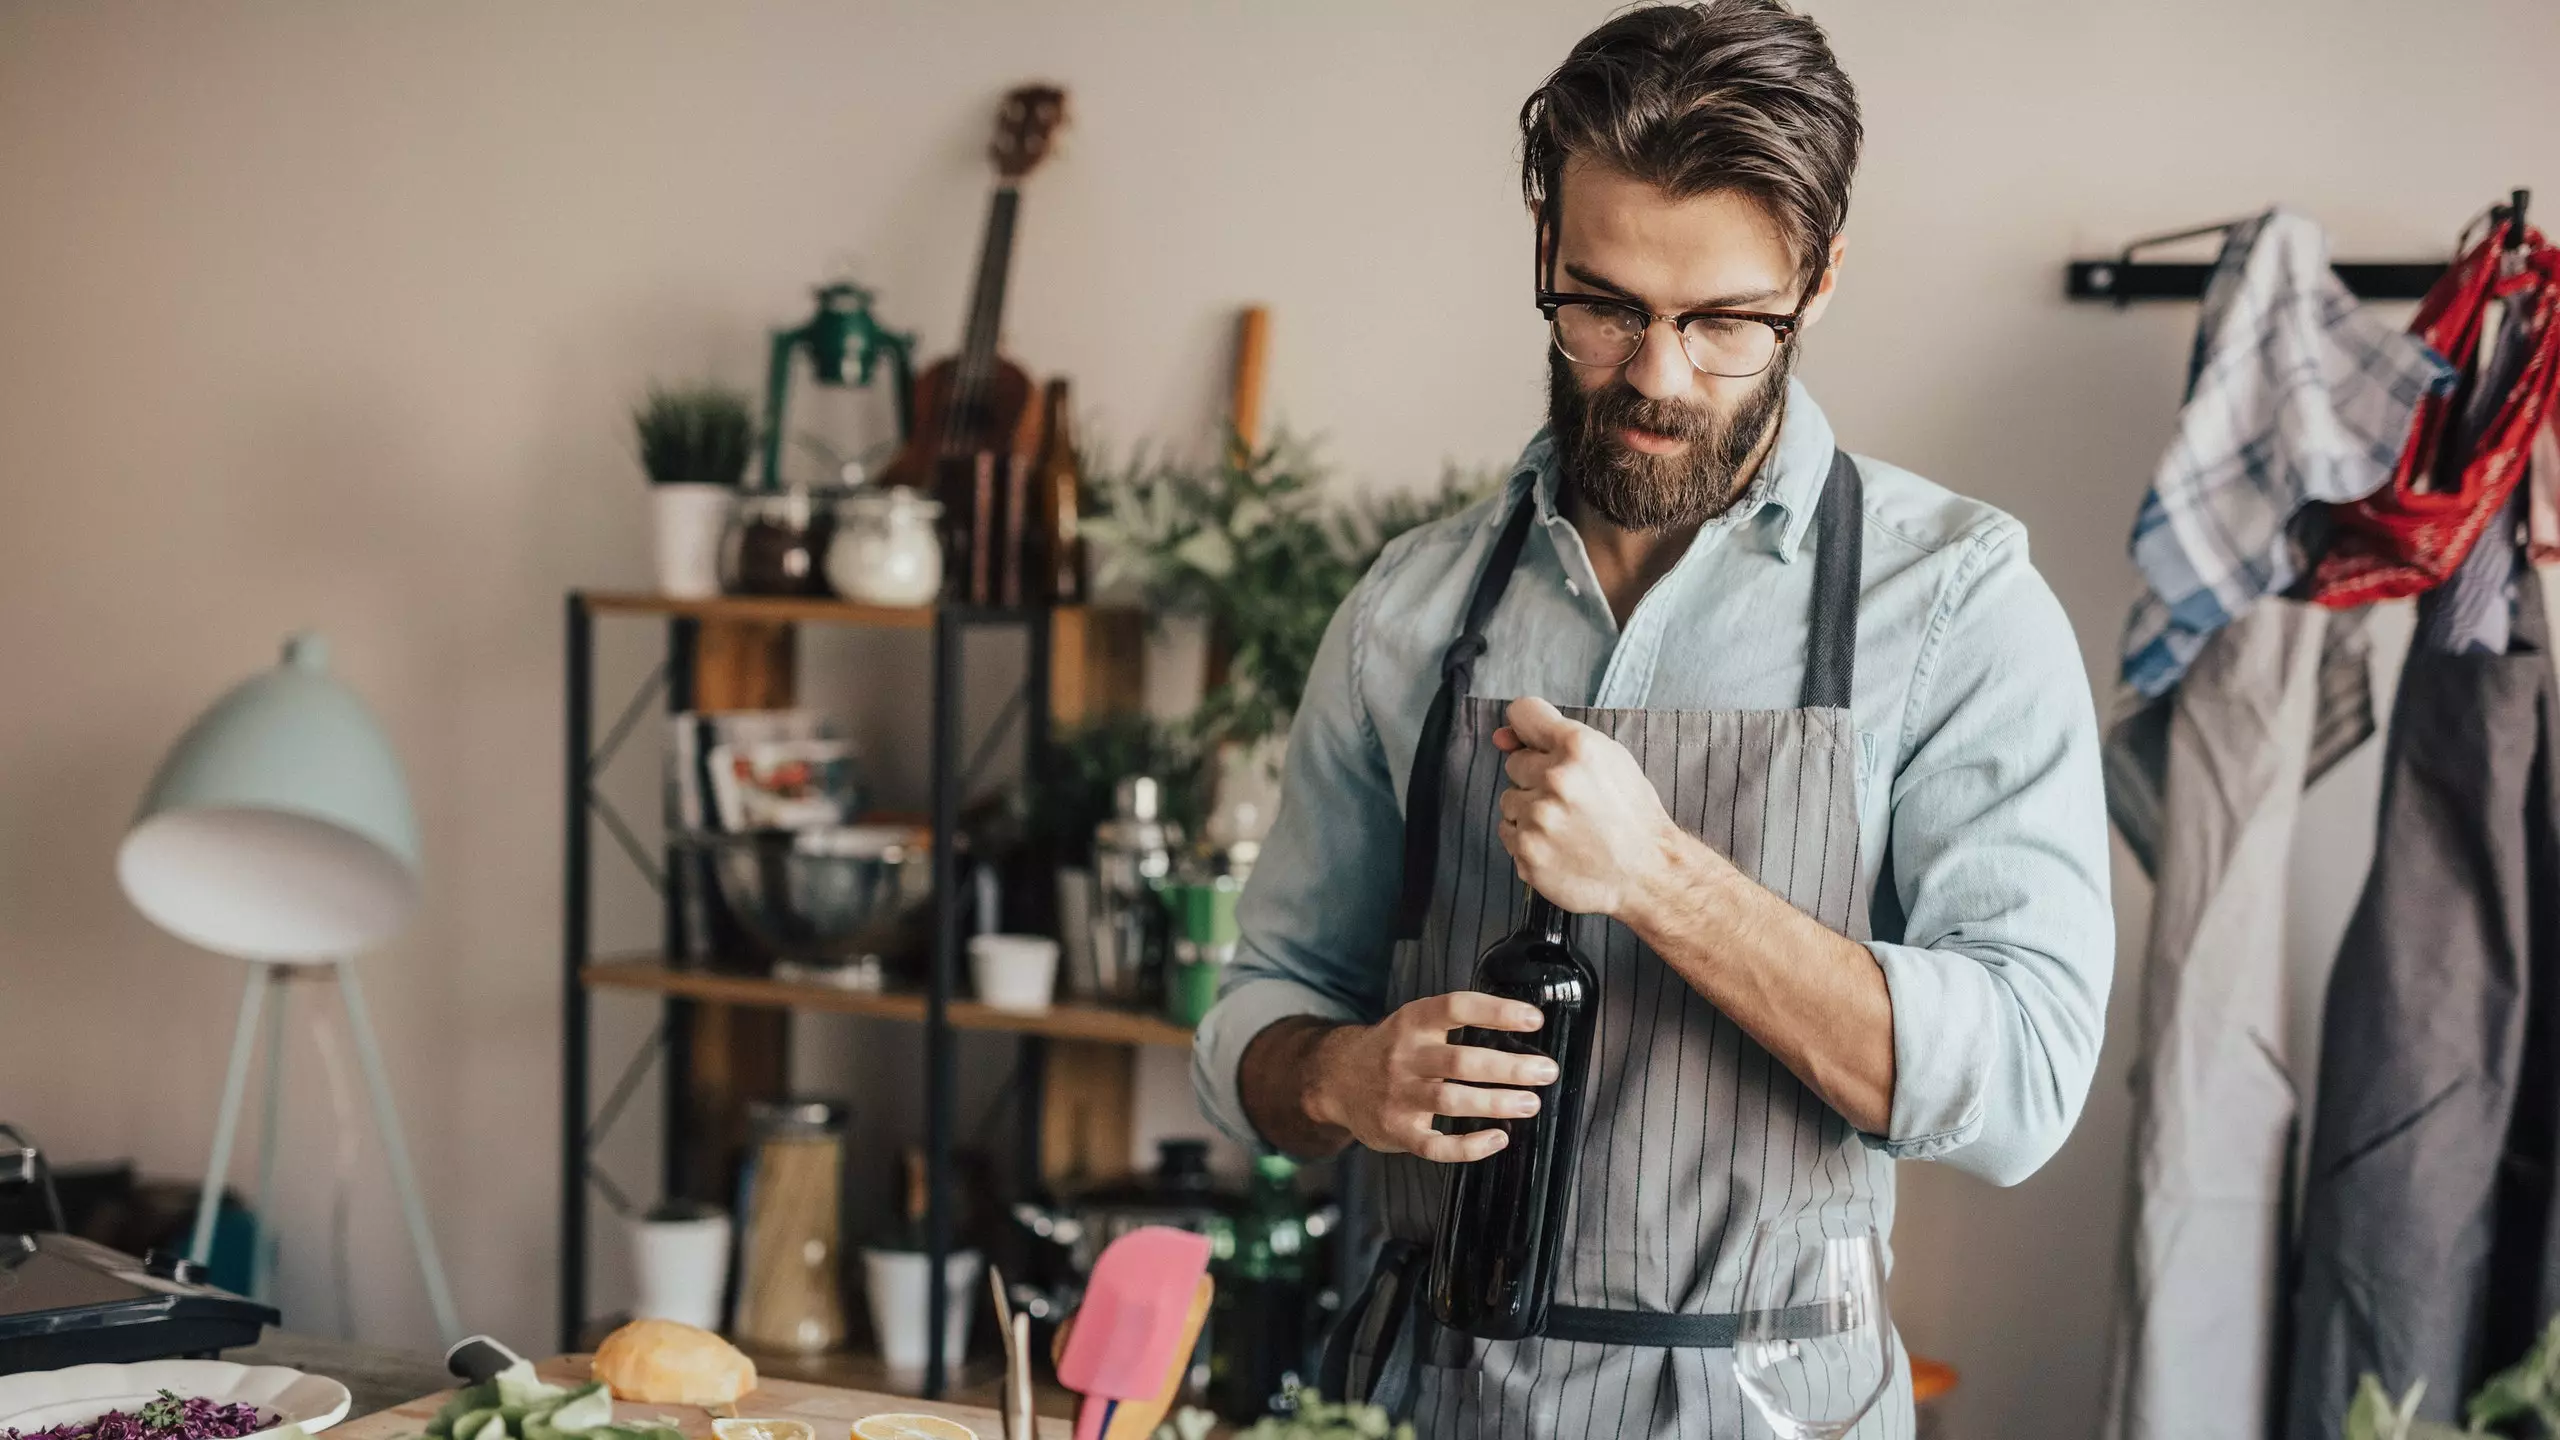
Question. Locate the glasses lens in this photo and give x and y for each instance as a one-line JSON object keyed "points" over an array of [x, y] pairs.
{"points": [[1732, 348], [1599, 333]]}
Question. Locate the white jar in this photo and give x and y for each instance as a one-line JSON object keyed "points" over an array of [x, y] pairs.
{"points": [[887, 549]]}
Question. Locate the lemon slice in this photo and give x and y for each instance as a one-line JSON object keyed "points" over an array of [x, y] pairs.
{"points": [[763, 1430], [910, 1427]]}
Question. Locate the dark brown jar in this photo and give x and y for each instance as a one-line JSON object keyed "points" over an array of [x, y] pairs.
{"points": [[777, 544]]}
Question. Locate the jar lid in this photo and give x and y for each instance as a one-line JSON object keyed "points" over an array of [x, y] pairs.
{"points": [[803, 1116], [791, 505], [894, 500]]}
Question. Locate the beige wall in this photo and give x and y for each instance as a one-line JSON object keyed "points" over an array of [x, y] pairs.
{"points": [[327, 313]]}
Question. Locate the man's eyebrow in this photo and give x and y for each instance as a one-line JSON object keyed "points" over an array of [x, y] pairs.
{"points": [[1600, 282], [1739, 300]]}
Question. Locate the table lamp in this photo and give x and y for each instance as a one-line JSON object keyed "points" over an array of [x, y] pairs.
{"points": [[279, 831]]}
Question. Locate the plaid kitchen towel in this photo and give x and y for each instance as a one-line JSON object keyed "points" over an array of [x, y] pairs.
{"points": [[2295, 394]]}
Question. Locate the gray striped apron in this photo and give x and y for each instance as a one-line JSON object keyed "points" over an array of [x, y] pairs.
{"points": [[1692, 1133]]}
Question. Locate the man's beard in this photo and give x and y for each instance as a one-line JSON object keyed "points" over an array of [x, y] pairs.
{"points": [[1640, 492]]}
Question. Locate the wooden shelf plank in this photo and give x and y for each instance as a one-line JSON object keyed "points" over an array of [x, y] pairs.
{"points": [[1065, 1021], [771, 609]]}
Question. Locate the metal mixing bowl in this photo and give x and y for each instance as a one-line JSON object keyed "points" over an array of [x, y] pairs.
{"points": [[827, 897]]}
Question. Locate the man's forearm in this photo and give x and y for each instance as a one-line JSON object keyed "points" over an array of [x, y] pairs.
{"points": [[1278, 1066], [1812, 997]]}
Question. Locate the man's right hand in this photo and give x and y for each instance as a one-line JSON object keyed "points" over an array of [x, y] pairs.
{"points": [[1384, 1084]]}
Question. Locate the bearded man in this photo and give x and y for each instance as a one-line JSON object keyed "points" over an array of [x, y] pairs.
{"points": [[1801, 741]]}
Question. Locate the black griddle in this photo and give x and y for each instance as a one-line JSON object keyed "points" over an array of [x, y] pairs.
{"points": [[68, 1301]]}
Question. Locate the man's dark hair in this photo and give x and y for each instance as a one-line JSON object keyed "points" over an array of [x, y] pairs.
{"points": [[1741, 95]]}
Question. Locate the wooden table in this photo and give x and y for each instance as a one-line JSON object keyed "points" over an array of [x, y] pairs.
{"points": [[830, 1411]]}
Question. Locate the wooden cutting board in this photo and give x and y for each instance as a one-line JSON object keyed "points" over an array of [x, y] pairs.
{"points": [[830, 1411]]}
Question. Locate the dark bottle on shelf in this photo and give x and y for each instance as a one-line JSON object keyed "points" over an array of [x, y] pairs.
{"points": [[1493, 1265], [1057, 552]]}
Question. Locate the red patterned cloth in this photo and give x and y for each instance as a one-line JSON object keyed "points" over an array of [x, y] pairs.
{"points": [[2410, 535]]}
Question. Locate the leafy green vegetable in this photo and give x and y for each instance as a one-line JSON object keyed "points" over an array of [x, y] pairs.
{"points": [[519, 1387], [519, 1405], [587, 1407]]}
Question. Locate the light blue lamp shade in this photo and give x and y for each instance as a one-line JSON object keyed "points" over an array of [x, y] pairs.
{"points": [[279, 828]]}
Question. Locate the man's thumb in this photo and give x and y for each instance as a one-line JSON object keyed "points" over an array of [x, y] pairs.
{"points": [[1539, 725]]}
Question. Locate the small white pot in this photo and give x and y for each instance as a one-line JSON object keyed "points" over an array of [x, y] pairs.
{"points": [[895, 1281], [680, 1267], [691, 520], [1014, 972]]}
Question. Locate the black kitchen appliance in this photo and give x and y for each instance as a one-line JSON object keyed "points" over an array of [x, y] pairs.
{"points": [[68, 1301]]}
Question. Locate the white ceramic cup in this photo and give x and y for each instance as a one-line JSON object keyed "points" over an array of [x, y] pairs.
{"points": [[680, 1266], [691, 521], [895, 1283], [1014, 972]]}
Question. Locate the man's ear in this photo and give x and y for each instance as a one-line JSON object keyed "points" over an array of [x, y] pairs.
{"points": [[1542, 241], [1821, 298]]}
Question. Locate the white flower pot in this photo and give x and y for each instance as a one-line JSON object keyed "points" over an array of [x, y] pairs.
{"points": [[680, 1265], [896, 1282], [691, 520]]}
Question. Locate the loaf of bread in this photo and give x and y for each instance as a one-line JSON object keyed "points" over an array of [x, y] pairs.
{"points": [[661, 1362]]}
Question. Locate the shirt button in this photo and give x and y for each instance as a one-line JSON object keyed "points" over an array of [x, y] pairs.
{"points": [[1573, 588]]}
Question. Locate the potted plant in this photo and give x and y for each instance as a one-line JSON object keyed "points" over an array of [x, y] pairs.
{"points": [[694, 443], [1251, 544]]}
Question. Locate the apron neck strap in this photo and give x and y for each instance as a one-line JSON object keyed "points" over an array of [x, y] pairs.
{"points": [[1422, 790], [1831, 649]]}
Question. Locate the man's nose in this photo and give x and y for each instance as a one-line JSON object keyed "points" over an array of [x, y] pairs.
{"points": [[1660, 368]]}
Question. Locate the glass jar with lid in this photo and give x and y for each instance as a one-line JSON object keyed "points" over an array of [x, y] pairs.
{"points": [[777, 544], [791, 1256], [887, 550]]}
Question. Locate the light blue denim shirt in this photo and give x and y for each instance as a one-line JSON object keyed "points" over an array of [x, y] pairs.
{"points": [[1978, 744]]}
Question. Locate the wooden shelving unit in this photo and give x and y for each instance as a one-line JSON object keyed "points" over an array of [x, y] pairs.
{"points": [[724, 1040], [1064, 1021]]}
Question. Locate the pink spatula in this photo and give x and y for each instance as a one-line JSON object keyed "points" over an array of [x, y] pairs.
{"points": [[1133, 1319]]}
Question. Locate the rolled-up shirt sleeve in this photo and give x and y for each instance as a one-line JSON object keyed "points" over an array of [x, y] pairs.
{"points": [[1315, 915], [1999, 859]]}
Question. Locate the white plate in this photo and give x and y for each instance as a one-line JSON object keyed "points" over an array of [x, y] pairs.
{"points": [[41, 1399]]}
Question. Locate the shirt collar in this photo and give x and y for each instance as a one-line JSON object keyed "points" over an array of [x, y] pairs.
{"points": [[1780, 498]]}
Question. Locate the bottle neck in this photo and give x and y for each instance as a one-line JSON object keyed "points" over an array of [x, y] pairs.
{"points": [[1545, 920]]}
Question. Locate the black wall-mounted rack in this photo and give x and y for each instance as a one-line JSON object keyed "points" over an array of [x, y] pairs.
{"points": [[2124, 279]]}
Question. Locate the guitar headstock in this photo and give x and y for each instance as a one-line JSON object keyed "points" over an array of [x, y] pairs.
{"points": [[1027, 125]]}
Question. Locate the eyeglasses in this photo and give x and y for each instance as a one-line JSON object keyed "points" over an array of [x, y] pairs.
{"points": [[1733, 344]]}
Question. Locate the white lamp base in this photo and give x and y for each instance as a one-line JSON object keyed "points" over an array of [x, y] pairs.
{"points": [[264, 976]]}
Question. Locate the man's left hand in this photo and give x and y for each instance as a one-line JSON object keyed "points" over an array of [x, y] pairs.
{"points": [[1581, 821]]}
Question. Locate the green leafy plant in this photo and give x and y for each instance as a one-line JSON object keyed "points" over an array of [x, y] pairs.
{"points": [[1252, 544], [1070, 790], [2528, 1390], [694, 435]]}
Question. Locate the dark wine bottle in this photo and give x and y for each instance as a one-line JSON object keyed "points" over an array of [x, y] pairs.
{"points": [[1493, 1265]]}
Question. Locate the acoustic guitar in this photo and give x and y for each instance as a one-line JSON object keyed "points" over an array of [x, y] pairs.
{"points": [[977, 420]]}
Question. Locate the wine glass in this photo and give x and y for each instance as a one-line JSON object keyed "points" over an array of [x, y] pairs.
{"points": [[1815, 1348]]}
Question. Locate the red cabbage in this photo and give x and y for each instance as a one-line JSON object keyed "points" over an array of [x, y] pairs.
{"points": [[171, 1417]]}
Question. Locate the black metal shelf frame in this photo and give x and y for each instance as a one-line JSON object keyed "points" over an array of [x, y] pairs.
{"points": [[586, 758]]}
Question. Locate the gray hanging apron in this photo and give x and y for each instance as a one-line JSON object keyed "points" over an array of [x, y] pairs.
{"points": [[1691, 1133], [2431, 1222]]}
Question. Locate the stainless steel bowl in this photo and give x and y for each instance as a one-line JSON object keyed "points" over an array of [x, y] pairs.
{"points": [[821, 898]]}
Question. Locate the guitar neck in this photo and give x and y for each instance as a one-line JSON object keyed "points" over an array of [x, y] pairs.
{"points": [[986, 300]]}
